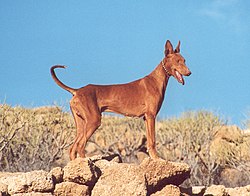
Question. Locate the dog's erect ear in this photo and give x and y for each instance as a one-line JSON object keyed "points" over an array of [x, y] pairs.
{"points": [[177, 49], [168, 48]]}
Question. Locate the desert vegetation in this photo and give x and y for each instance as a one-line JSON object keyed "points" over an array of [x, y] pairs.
{"points": [[39, 138]]}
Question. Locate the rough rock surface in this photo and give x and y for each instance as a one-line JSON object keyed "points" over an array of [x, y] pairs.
{"points": [[71, 188], [57, 174], [198, 190], [218, 190], [38, 181], [160, 173], [239, 191], [121, 180], [169, 190], [3, 189], [103, 162], [82, 171], [101, 175], [33, 194]]}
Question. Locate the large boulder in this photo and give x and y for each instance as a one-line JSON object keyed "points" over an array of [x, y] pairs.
{"points": [[121, 180], [81, 171], [159, 173]]}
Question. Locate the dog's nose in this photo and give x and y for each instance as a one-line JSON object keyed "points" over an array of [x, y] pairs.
{"points": [[188, 72]]}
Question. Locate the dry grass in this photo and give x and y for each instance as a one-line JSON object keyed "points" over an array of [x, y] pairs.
{"points": [[32, 138]]}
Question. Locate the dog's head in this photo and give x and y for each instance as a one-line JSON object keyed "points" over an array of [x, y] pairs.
{"points": [[174, 63]]}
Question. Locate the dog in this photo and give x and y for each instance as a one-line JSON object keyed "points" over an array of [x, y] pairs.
{"points": [[140, 98]]}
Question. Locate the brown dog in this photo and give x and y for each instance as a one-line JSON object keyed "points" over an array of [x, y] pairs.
{"points": [[140, 98]]}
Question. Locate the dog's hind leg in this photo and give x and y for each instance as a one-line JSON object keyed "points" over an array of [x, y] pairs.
{"points": [[93, 121], [87, 118], [80, 129]]}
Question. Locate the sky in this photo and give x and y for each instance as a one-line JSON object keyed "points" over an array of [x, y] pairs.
{"points": [[111, 42]]}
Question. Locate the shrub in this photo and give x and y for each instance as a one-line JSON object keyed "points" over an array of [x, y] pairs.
{"points": [[32, 138], [188, 139]]}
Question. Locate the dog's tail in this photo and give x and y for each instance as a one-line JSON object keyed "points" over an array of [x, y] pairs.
{"points": [[59, 83]]}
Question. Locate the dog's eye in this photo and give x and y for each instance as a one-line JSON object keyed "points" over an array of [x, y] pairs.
{"points": [[181, 61]]}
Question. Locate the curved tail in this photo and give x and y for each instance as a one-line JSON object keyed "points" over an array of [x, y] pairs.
{"points": [[59, 83]]}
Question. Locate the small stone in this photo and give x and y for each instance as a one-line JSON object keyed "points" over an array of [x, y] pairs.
{"points": [[218, 190], [120, 180], [198, 190]]}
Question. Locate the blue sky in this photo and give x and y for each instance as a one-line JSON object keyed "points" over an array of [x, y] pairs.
{"points": [[107, 42]]}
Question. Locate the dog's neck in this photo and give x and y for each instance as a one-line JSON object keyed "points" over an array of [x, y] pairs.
{"points": [[160, 73], [160, 76], [164, 67]]}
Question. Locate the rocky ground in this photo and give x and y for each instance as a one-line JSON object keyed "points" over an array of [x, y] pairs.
{"points": [[107, 176]]}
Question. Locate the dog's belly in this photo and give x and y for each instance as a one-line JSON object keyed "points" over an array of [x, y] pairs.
{"points": [[126, 110]]}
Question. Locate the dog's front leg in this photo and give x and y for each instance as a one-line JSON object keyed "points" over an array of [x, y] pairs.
{"points": [[150, 130]]}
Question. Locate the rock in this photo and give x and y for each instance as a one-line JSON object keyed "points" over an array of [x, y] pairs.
{"points": [[116, 159], [160, 173], [104, 164], [71, 189], [231, 177], [91, 149], [169, 190], [141, 156], [33, 194], [121, 180], [57, 174], [198, 190], [3, 189], [8, 174], [150, 175], [216, 190], [39, 181], [239, 191], [81, 171], [105, 176]]}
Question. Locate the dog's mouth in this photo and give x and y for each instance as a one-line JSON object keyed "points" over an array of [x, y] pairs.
{"points": [[179, 77]]}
